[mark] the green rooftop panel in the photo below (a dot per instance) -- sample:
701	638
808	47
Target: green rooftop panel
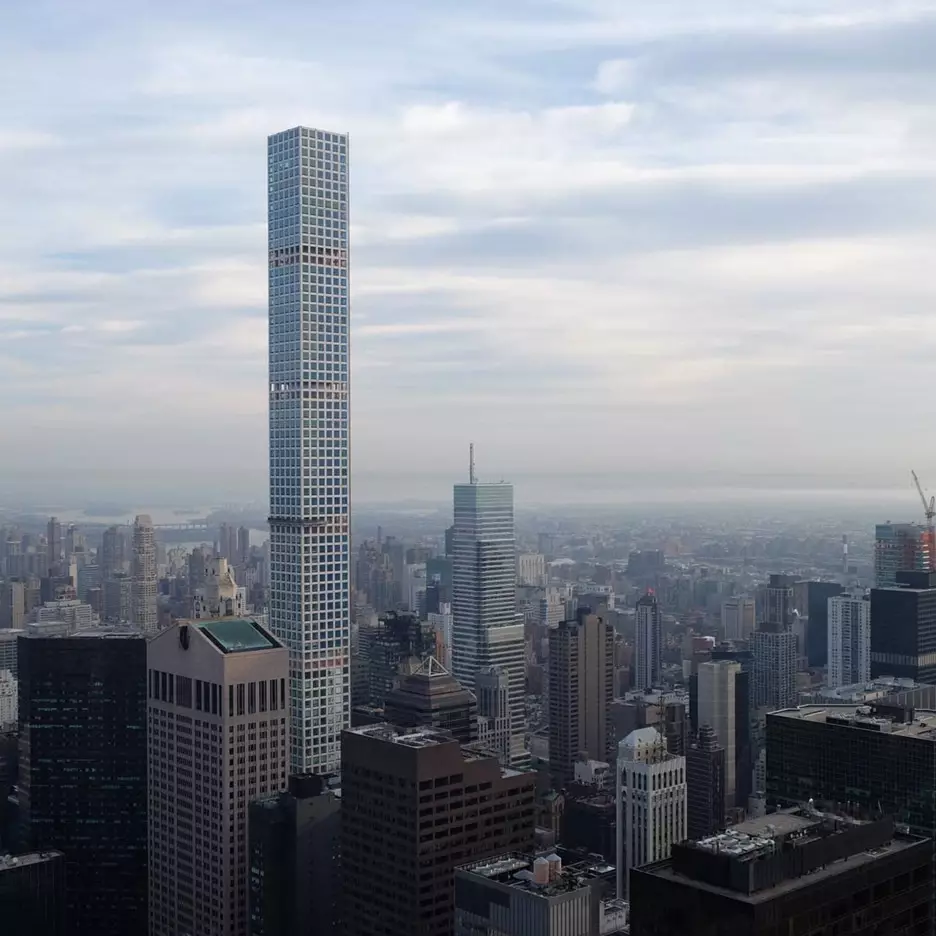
235	635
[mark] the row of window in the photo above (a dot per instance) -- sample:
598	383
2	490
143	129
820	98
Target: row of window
243	698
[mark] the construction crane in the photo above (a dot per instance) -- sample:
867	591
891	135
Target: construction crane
929	508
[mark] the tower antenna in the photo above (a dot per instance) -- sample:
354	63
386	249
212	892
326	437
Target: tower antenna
472	478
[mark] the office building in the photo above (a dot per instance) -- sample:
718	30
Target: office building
113	554
738	618
219	594
492	691
581	690
651	801
144	610
813	603
294	838
486	630
849	645
522	895
68	611
32	893
718	708
82	771
118	598
900	547
415	805
778	602
774	670
54	547
668	712
648	646
8	651
706	801
12	605
903	628
431	697
310	610
797	871
531	570
217	733
393	642
9	702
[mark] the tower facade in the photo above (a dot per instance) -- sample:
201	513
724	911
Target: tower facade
849	653
900	547
648	647
308	347
738	616
485	627
143	607
717	708
774	667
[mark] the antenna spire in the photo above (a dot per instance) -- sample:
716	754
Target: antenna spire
472	478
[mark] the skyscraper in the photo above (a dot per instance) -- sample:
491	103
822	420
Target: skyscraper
900	547
738	616
217	739
705	783
143	606
581	689
111	556
53	543
310	601
648	647
485	628
774	668
903	627
82	771
779	601
32	893
849	653
717	708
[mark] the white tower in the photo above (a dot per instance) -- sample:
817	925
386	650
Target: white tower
849	640
144	610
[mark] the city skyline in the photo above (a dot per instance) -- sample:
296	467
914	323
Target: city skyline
678	217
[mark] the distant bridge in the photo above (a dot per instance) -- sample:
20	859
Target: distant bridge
192	526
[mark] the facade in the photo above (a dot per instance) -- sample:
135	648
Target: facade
217	738
717	708
797	871
774	670
651	801
738	618
118	598
900	547
903	629
581	690
849	644
531	570
310	599
668	711
294	838
32	893
144	610
54	545
492	690
12	605
430	697
82	771
815	605
219	595
648	647
486	630
68	610
706	767
112	557
520	895
778	601
394	642
415	805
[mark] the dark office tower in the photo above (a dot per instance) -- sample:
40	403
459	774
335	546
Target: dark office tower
54	543
294	837
113	552
779	601
648	645
774	667
450	541
32	894
82	772
903	628
431	697
705	785
581	690
414	805
797	871
817	611
396	639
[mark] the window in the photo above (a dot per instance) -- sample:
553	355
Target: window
252	698
230	700
240	698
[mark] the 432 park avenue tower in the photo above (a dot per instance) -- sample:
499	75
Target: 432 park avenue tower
309	535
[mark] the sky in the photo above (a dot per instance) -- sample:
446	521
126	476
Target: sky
663	243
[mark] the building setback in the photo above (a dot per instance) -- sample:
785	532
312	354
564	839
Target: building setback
82	771
798	871
310	595
217	739
415	805
32	893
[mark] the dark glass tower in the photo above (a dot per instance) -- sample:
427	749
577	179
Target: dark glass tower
82	772
32	894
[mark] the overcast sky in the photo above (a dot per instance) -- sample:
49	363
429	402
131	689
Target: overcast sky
676	240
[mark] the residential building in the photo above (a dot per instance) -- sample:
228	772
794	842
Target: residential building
118	598
415	805
9	707
492	691
648	647
900	547
581	690
738	618
521	895
8	650
144	610
32	893
651	801
486	629
310	594
774	671
706	768
82	771
849	644
797	871
903	627
294	838
778	606
717	708
430	697
217	732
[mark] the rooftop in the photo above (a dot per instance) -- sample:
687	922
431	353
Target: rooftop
235	635
881	718
520	871
21	861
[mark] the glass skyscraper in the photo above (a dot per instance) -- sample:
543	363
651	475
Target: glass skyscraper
309	536
486	629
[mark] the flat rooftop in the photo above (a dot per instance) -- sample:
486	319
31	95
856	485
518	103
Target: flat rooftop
8	862
864	717
516	870
235	635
